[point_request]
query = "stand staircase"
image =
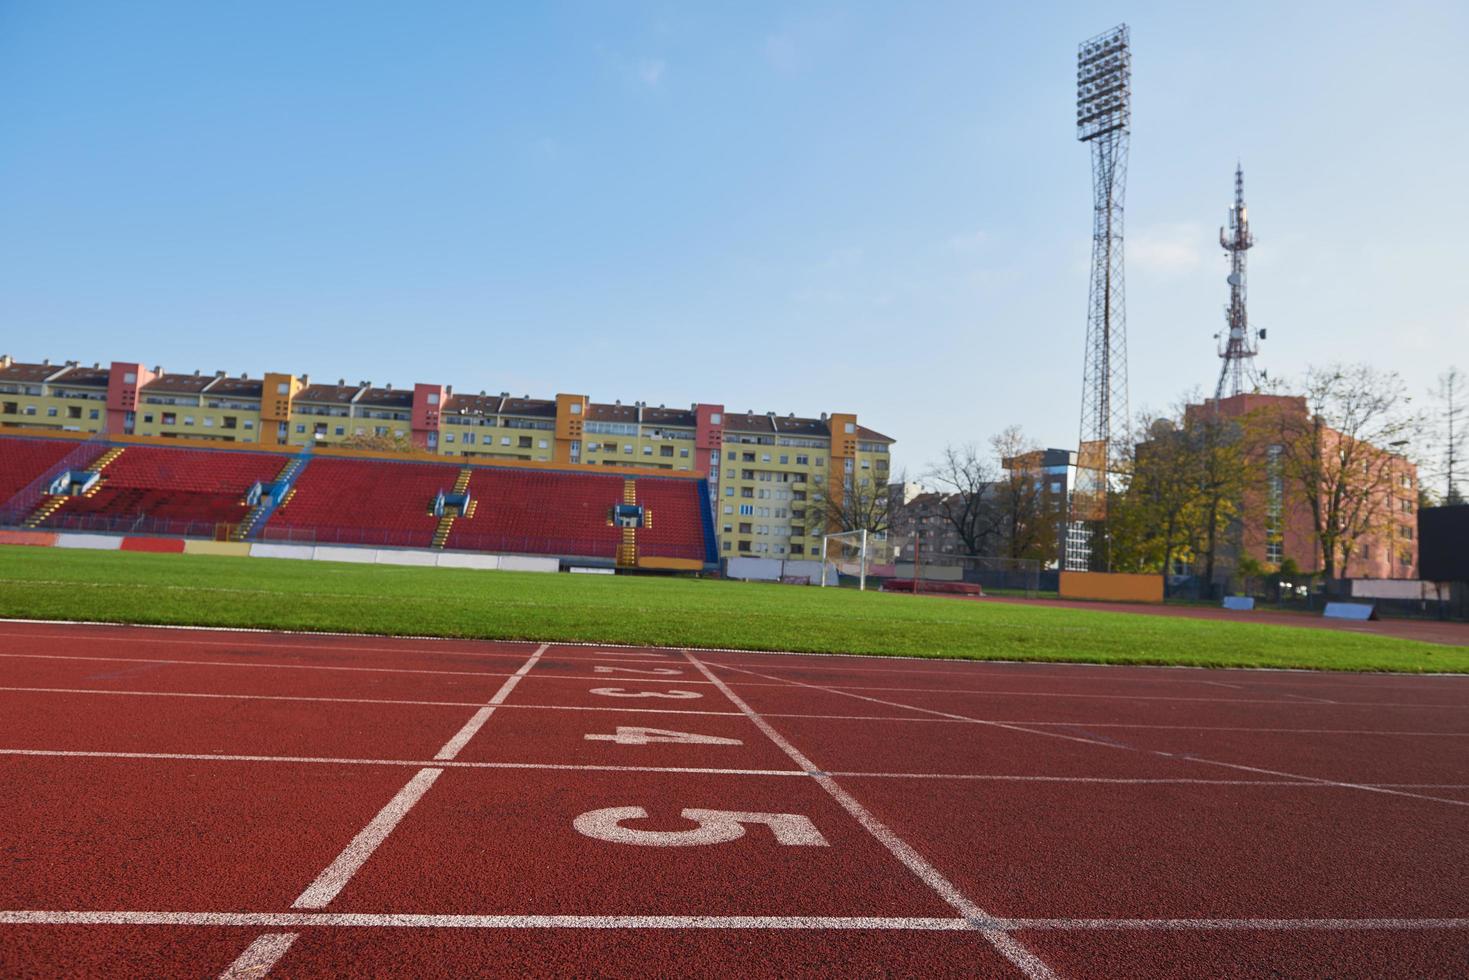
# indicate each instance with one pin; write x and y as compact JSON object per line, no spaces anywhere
{"x":265,"y":507}
{"x":627,"y":549}
{"x":446,"y":522}
{"x":54,"y":501}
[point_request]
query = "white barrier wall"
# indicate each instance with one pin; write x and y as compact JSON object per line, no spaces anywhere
{"x":454,"y":559}
{"x":324,"y":552}
{"x":394,"y":556}
{"x":753,"y":569}
{"x":579,"y":570}
{"x":96,"y":542}
{"x":1387,"y":588}
{"x":774,"y":569}
{"x":386,"y":556}
{"x":523,"y":563}
{"x":260,"y":549}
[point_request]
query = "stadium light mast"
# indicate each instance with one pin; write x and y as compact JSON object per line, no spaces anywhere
{"x":1237,"y":347}
{"x":1103,"y":119}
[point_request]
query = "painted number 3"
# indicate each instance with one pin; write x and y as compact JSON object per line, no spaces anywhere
{"x":714,"y":827}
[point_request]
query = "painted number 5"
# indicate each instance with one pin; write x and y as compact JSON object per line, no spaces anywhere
{"x":618,"y":692}
{"x":714,"y":827}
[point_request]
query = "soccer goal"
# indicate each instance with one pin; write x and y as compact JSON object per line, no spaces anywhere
{"x":846,"y":553}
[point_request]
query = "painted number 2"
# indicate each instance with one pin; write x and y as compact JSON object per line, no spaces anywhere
{"x":634,"y":735}
{"x":618,"y":692}
{"x":714,"y":827}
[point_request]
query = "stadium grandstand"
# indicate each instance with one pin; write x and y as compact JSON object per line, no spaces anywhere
{"x":135,"y":486}
{"x":759,"y":471}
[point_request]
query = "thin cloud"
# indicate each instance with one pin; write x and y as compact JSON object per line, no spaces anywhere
{"x":1166,"y":250}
{"x":650,"y":71}
{"x":967,"y":241}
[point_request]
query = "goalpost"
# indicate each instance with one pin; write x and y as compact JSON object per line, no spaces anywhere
{"x":845,"y":543}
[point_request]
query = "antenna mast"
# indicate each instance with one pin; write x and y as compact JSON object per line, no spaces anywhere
{"x":1237,"y":348}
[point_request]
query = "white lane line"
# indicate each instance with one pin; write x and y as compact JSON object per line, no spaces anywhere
{"x":331,"y":700}
{"x":1182,"y":757}
{"x":238,"y":663}
{"x":932,"y":711}
{"x":476,"y":722}
{"x":1368,"y":787}
{"x":260,"y":957}
{"x":332,"y":880}
{"x":1222,"y":925}
{"x":336,"y":875}
{"x":273,"y":666}
{"x":782,"y":681}
{"x":735,"y":714}
{"x":410,"y":647}
{"x":699,"y":770}
{"x":1009,"y":947}
{"x":412,"y":763}
{"x":380,"y":920}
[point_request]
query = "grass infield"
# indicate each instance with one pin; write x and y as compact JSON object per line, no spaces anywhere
{"x":110,"y":586}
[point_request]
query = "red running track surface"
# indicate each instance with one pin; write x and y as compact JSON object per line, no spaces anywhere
{"x":192,"y":803}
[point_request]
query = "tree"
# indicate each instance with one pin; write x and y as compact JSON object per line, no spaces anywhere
{"x":858,"y":505}
{"x":1027,"y":515}
{"x":1217,"y":457}
{"x":1148,"y":519}
{"x":965,"y":482}
{"x":1452,"y":416}
{"x":384,"y":443}
{"x":1336,"y":448}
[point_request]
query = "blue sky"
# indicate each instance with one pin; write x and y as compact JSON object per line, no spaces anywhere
{"x":801,"y":207}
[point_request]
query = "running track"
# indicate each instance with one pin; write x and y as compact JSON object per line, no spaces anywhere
{"x":207,"y":803}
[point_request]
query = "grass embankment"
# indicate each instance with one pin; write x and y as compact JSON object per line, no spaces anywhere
{"x":47,"y":583}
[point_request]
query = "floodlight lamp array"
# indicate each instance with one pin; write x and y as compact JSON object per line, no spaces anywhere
{"x":1103,"y":76}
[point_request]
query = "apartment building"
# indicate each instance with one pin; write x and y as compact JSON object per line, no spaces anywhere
{"x":766,"y":472}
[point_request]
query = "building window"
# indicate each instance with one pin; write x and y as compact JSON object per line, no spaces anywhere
{"x":301,"y":428}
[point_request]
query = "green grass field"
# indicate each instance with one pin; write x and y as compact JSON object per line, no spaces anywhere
{"x":49,"y":583}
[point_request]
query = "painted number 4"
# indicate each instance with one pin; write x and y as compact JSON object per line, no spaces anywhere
{"x":633,"y":735}
{"x":714,"y":827}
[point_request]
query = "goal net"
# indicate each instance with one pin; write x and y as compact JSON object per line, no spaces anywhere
{"x":847,"y":554}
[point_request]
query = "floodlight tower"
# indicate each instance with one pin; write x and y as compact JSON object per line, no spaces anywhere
{"x":1103,"y":119}
{"x":1238,"y":348}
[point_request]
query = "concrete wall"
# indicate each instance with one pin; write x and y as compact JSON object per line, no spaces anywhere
{"x":464,"y":559}
{"x":44,"y":539}
{"x":324,"y":552}
{"x":1112,"y":586}
{"x":262,"y":550}
{"x":930,"y":573}
{"x":236,"y":548}
{"x":96,"y":542}
{"x":1369,"y":588}
{"x":394,"y":556}
{"x":523,"y":563}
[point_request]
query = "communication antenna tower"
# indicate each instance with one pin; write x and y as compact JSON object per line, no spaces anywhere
{"x":1103,"y":119}
{"x":1237,"y":347}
